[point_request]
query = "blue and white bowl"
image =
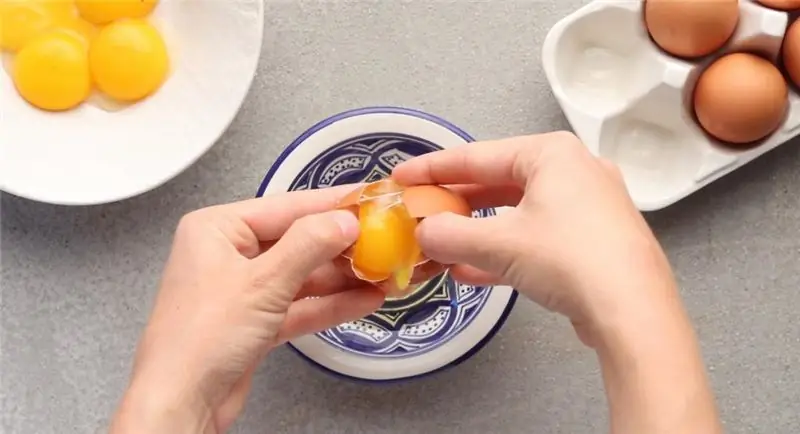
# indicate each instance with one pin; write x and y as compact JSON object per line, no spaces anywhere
{"x":440,"y":324}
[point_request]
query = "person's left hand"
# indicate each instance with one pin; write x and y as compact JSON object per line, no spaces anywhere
{"x":237,"y":284}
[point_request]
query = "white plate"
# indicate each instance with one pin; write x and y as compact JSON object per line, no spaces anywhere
{"x":629,"y":102}
{"x":440,"y":325}
{"x":92,"y":156}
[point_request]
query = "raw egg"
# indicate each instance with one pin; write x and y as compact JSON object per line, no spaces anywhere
{"x":52,"y":71}
{"x":741,"y":98}
{"x":386,"y":252}
{"x":128,"y":60}
{"x":691,"y":28}
{"x":106,"y":11}
{"x":85,"y":30}
{"x":783,"y":5}
{"x":21,"y":21}
{"x":791,"y":52}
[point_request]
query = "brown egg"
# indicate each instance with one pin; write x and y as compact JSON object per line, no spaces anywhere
{"x":691,"y":28}
{"x":783,"y":5}
{"x":791,"y":52}
{"x":386,"y":252}
{"x":421,"y":200}
{"x":740,"y":98}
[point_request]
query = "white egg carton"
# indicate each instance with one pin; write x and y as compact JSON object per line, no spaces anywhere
{"x":630,"y":102}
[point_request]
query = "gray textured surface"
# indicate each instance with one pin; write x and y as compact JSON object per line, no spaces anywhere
{"x":74,"y":297}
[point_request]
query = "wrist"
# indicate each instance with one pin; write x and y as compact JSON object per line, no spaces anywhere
{"x":645,"y":309}
{"x":635,"y":290}
{"x":160,"y":407}
{"x":652,"y":365}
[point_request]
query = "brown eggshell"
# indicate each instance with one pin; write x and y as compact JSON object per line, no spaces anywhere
{"x":741,"y":98}
{"x":420,"y":201}
{"x":351,"y":200}
{"x":427,"y":200}
{"x":791,"y":52}
{"x":691,"y":28}
{"x":783,"y":5}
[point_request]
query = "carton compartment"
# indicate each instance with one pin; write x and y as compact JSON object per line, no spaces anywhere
{"x":604,"y":59}
{"x":656,"y":146}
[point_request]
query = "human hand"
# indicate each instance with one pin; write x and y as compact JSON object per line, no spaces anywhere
{"x":575,"y":243}
{"x":234,"y":287}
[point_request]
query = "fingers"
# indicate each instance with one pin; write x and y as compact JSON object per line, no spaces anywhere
{"x":453,"y":239}
{"x":470,"y":275}
{"x":327,"y":280}
{"x":313,"y":315}
{"x":270,"y":216}
{"x":497,"y":162}
{"x":310,"y":243}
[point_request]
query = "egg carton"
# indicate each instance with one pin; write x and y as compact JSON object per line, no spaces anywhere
{"x":630,"y":102}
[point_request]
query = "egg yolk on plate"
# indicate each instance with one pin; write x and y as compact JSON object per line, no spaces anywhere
{"x":386,"y":246}
{"x":81,"y":28}
{"x":128,"y":60}
{"x":21,"y":21}
{"x":106,"y":11}
{"x":52,"y":71}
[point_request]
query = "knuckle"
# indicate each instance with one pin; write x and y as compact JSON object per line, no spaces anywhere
{"x":569,"y":149}
{"x":569,"y":143}
{"x":611,"y":168}
{"x":565,"y":138}
{"x":192,"y":219}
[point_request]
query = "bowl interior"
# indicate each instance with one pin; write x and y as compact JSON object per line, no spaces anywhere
{"x":426,"y":318}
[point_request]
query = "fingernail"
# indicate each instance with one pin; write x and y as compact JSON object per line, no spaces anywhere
{"x":348,"y":223}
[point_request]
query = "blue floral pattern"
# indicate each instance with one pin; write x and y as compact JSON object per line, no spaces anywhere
{"x":441,"y":307}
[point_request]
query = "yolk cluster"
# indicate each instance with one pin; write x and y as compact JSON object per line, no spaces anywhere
{"x":59,"y":55}
{"x":62,"y":48}
{"x":386,"y":247}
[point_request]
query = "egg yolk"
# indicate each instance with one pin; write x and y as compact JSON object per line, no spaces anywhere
{"x":62,"y":8}
{"x":106,"y":11}
{"x":386,"y":246}
{"x":52,"y":71}
{"x":128,"y":60}
{"x":81,"y":28}
{"x":21,"y":21}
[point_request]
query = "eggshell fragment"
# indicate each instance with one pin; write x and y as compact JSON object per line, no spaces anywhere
{"x":420,"y":202}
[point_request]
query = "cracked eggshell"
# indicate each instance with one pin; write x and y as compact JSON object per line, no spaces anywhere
{"x":421,"y":201}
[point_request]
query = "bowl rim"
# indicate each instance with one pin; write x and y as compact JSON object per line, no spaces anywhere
{"x":399,"y":111}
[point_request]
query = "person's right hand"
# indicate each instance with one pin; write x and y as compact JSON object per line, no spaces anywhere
{"x":575,"y":243}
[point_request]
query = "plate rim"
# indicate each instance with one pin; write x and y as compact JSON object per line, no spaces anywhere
{"x":386,"y":109}
{"x":178,"y":169}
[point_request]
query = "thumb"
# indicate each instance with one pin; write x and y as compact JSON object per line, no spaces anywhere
{"x":480,"y":242}
{"x":309,"y":243}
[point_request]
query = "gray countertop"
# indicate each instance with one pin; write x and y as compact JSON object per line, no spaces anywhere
{"x":74,"y":296}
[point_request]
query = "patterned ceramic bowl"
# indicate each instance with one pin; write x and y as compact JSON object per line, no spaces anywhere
{"x":440,"y":324}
